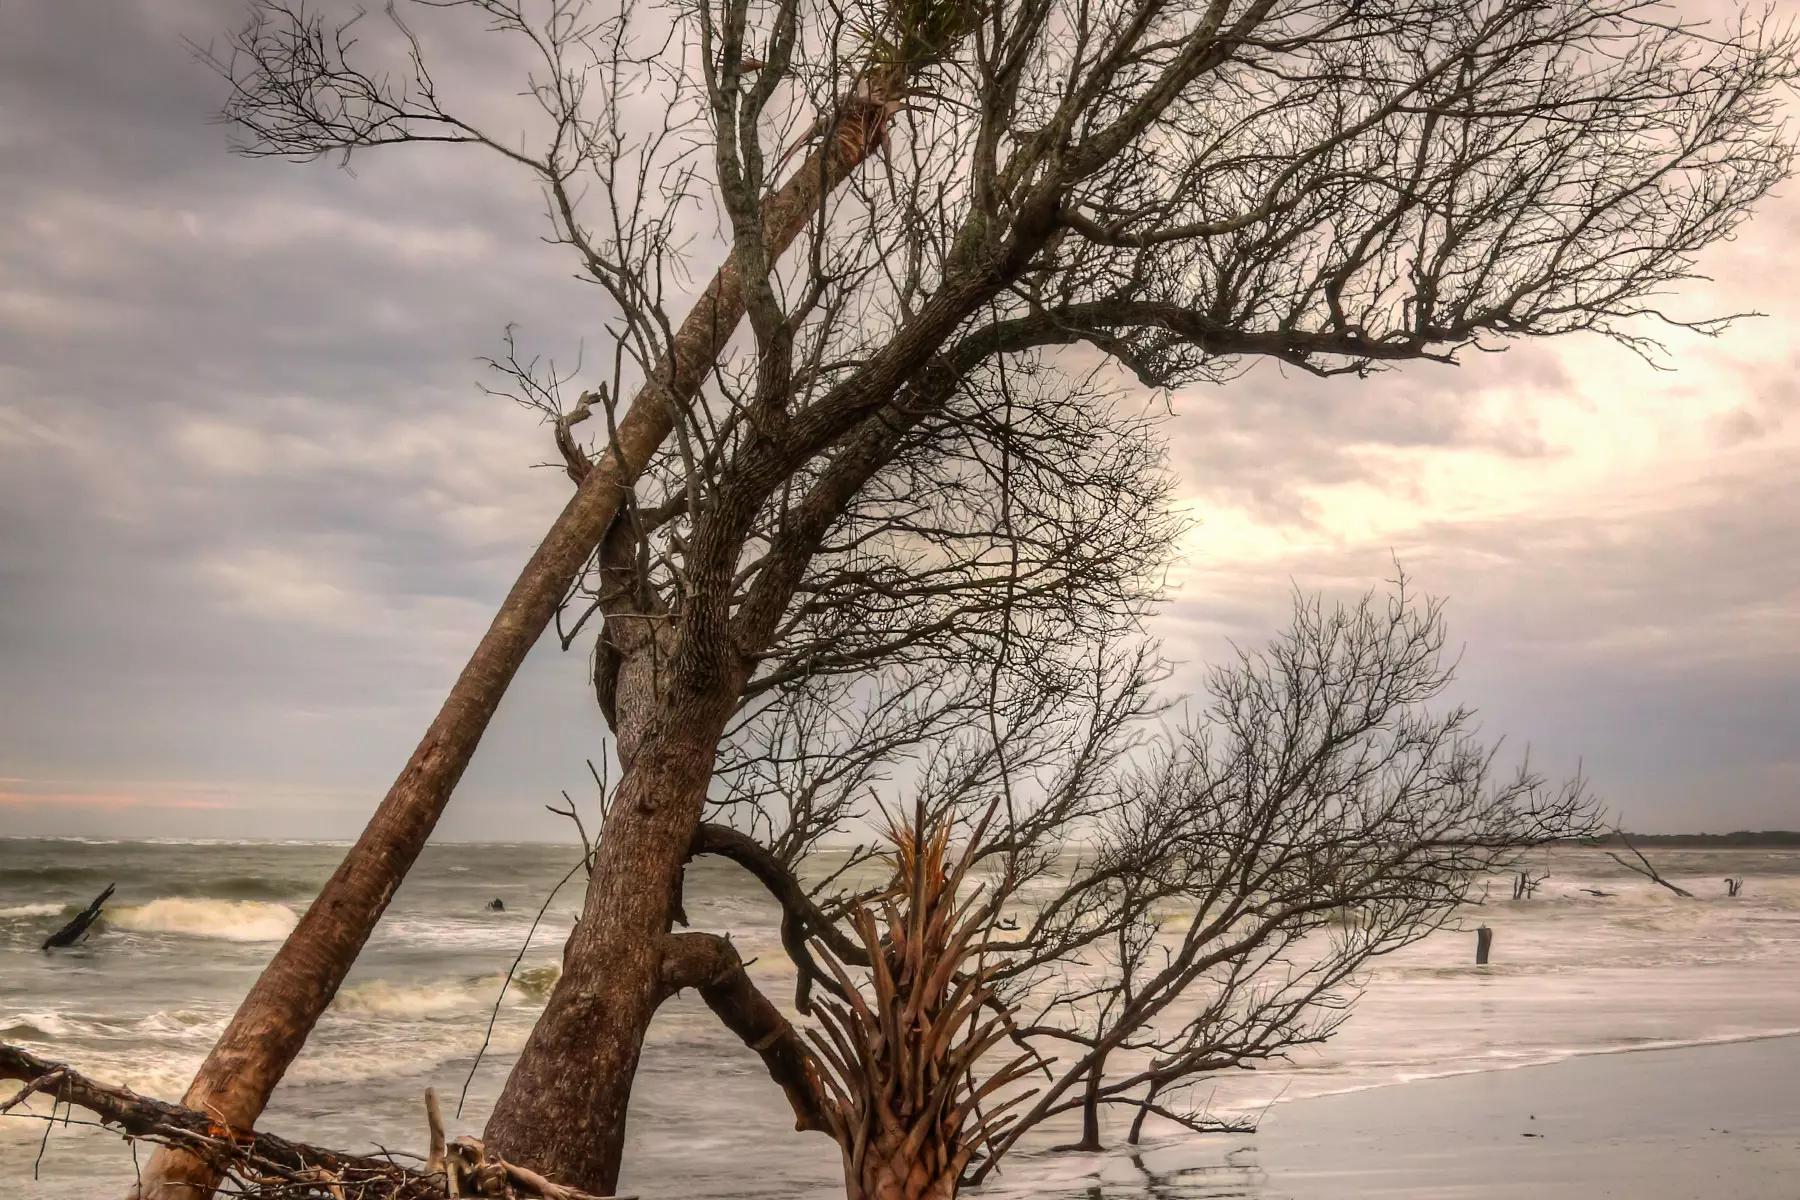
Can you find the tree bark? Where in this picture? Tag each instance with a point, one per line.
(1090, 1111)
(564, 1106)
(274, 1020)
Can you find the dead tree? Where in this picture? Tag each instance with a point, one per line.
(1525, 885)
(1136, 915)
(297, 94)
(1644, 867)
(1173, 189)
(84, 920)
(1317, 815)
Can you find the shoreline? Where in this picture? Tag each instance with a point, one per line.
(1650, 1047)
(1704, 1120)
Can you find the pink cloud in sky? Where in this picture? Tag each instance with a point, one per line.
(46, 796)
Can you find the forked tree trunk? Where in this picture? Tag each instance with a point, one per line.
(564, 1106)
(272, 1023)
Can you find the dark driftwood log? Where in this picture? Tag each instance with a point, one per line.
(259, 1160)
(77, 929)
(1484, 942)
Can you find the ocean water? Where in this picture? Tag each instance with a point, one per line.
(191, 924)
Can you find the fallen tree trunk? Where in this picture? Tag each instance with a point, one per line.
(274, 1020)
(262, 1164)
(77, 929)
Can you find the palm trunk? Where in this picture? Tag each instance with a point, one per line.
(272, 1023)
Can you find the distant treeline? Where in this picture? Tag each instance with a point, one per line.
(1702, 841)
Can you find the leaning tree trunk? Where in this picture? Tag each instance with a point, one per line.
(563, 1108)
(272, 1023)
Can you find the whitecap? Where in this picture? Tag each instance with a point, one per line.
(39, 1026)
(32, 910)
(378, 997)
(230, 920)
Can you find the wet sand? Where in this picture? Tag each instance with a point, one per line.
(1719, 1122)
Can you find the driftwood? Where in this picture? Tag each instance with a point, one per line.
(77, 929)
(264, 1165)
(1733, 886)
(1644, 868)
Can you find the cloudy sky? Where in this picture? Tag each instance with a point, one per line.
(255, 510)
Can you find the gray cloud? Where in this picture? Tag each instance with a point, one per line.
(254, 511)
(1657, 644)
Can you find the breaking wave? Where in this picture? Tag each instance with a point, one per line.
(31, 910)
(444, 997)
(378, 997)
(229, 920)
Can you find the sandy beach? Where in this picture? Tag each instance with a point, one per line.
(1716, 1121)
(1425, 1093)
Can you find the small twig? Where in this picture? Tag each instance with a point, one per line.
(45, 1144)
(507, 982)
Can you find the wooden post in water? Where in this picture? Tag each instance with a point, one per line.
(1484, 941)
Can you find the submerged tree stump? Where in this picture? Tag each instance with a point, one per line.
(1484, 941)
(77, 929)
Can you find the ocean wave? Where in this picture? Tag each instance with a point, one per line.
(534, 983)
(32, 910)
(38, 1027)
(162, 1026)
(229, 920)
(445, 997)
(378, 997)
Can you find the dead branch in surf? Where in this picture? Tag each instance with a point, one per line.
(77, 929)
(1644, 866)
(1525, 885)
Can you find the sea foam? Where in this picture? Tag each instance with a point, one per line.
(378, 997)
(31, 910)
(229, 920)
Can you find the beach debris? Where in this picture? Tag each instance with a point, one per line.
(1484, 941)
(1644, 867)
(77, 929)
(1524, 886)
(258, 1164)
(496, 905)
